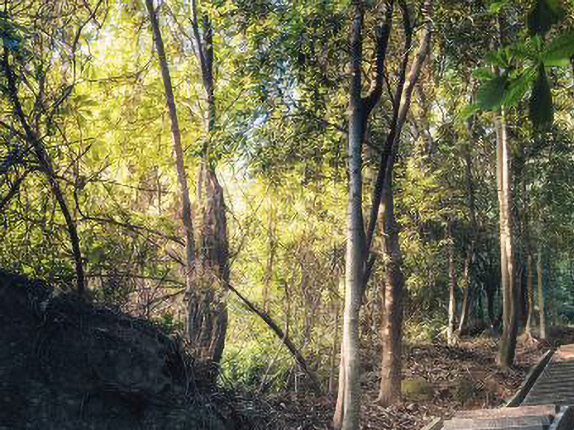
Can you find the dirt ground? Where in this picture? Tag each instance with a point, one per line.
(437, 381)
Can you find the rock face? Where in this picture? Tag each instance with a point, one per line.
(68, 364)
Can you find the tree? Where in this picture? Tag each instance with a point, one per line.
(39, 124)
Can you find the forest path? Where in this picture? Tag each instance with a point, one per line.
(555, 385)
(545, 401)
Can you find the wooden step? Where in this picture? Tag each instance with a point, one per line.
(523, 423)
(521, 411)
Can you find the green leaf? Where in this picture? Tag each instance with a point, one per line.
(490, 94)
(559, 50)
(467, 111)
(483, 73)
(542, 16)
(541, 108)
(518, 87)
(496, 6)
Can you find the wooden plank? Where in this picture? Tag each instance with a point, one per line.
(497, 423)
(521, 411)
(564, 420)
(530, 380)
(435, 424)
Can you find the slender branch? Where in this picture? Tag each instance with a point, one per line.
(281, 334)
(13, 190)
(383, 32)
(46, 166)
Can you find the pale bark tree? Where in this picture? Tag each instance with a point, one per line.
(466, 293)
(507, 343)
(450, 335)
(541, 305)
(530, 296)
(348, 399)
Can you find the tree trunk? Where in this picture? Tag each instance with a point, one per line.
(207, 296)
(473, 227)
(508, 340)
(530, 294)
(541, 306)
(207, 310)
(350, 386)
(176, 135)
(390, 386)
(451, 284)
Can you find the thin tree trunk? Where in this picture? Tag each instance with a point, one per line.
(176, 135)
(390, 386)
(541, 306)
(508, 340)
(347, 410)
(332, 361)
(208, 302)
(355, 255)
(465, 307)
(530, 293)
(473, 227)
(451, 284)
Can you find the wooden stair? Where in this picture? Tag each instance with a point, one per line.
(538, 417)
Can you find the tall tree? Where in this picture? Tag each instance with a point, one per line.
(207, 314)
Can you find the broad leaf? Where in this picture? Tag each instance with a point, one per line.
(518, 87)
(541, 108)
(491, 93)
(467, 111)
(483, 73)
(559, 50)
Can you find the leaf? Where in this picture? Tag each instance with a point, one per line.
(490, 94)
(518, 87)
(542, 16)
(541, 108)
(467, 111)
(559, 50)
(496, 6)
(483, 73)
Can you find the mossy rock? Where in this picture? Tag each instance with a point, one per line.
(418, 389)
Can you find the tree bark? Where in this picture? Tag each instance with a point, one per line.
(530, 294)
(451, 284)
(508, 340)
(355, 255)
(207, 301)
(541, 306)
(391, 333)
(473, 227)
(176, 135)
(390, 387)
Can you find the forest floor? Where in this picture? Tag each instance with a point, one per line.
(438, 380)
